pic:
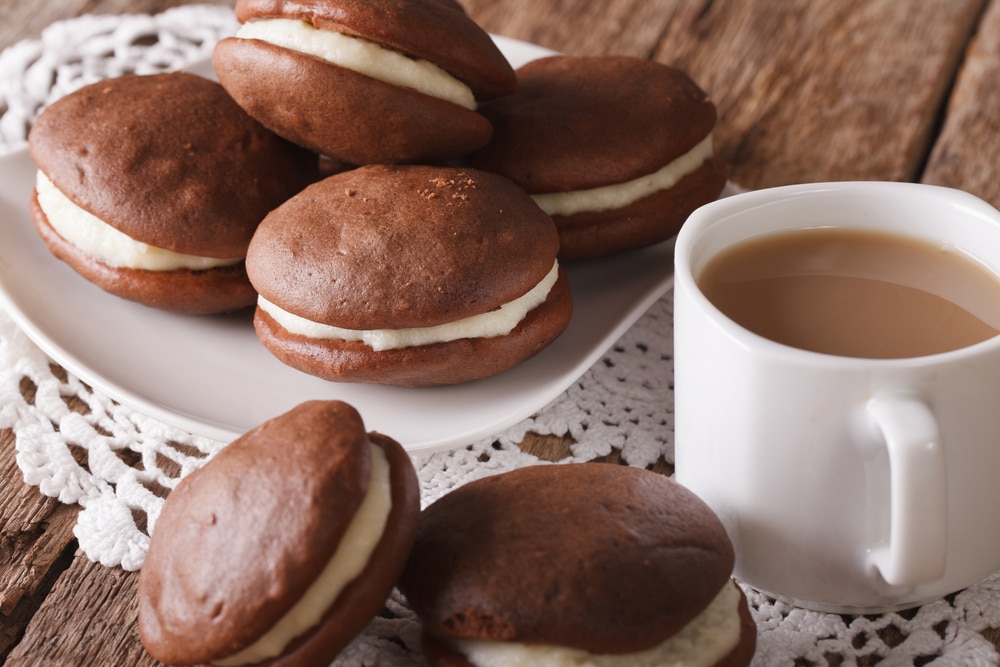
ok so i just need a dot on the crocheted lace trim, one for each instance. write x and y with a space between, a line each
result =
79 446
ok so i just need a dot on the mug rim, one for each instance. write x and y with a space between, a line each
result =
749 202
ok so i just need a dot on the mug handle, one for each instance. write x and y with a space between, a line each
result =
918 493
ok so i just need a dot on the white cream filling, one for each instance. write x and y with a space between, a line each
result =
361 56
499 322
703 642
353 553
622 194
100 240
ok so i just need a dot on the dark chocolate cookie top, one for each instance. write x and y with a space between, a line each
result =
390 247
583 122
240 540
601 557
170 160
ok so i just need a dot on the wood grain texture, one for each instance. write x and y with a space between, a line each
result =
36 540
90 617
842 91
965 154
622 27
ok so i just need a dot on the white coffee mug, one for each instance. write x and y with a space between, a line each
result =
847 485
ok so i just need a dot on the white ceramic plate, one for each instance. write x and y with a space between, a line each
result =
210 375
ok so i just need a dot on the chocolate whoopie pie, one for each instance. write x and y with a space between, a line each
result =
151 187
617 149
408 275
365 81
283 547
575 560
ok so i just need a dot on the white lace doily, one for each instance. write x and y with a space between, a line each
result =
79 446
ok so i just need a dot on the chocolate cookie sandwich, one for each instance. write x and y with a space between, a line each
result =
408 275
283 547
379 81
618 150
576 564
152 186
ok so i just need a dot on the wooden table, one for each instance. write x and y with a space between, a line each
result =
807 90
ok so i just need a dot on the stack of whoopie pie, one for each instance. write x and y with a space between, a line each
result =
401 270
431 254
391 293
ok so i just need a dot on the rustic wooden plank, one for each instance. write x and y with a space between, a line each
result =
969 142
89 618
36 541
627 27
866 77
843 91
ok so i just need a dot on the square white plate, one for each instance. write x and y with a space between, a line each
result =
210 375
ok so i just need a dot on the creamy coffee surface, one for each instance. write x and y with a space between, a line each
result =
855 293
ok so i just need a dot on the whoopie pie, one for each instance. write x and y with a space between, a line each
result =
617 149
589 563
282 548
151 186
408 275
365 81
